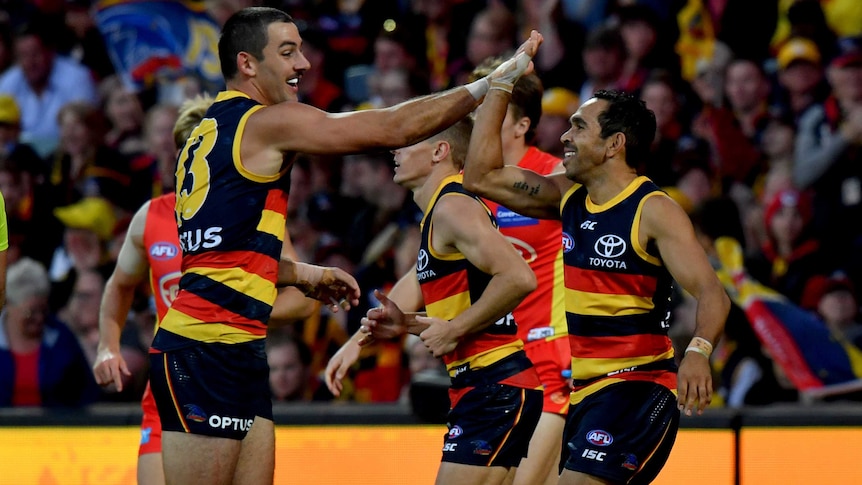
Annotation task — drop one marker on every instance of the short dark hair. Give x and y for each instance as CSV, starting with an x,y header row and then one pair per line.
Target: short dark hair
x,y
246,31
628,115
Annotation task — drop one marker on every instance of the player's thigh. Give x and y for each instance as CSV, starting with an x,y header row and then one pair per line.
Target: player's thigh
x,y
569,477
150,469
256,464
190,458
460,474
542,462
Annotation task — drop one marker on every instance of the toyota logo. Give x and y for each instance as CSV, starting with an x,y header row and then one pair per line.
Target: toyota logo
x,y
422,260
610,246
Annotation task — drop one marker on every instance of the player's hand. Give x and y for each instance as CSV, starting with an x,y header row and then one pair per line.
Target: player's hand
x,y
334,287
519,64
440,336
385,321
109,368
340,364
694,383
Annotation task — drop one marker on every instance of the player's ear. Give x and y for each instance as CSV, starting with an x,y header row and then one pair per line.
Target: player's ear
x,y
441,150
246,64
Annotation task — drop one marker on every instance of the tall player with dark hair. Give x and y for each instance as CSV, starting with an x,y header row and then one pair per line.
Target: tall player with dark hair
x,y
625,242
209,374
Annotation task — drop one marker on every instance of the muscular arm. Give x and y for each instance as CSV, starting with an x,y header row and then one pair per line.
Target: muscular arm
x,y
461,225
665,222
130,271
523,191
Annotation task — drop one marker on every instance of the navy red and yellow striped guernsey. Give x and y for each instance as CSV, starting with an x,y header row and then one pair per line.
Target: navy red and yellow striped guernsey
x,y
231,249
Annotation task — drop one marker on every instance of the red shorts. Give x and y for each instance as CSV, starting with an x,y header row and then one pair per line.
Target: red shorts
x,y
551,358
151,426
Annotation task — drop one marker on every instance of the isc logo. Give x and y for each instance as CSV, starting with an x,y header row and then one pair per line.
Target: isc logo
x,y
593,455
449,447
599,437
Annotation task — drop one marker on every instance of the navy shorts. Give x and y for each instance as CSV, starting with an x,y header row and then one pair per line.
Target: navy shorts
x,y
212,389
622,433
491,423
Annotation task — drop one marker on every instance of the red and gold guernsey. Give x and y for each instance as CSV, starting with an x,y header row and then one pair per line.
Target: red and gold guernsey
x,y
162,244
541,316
617,293
231,227
450,284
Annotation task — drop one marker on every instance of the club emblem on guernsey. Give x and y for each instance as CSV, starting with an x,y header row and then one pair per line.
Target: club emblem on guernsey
x,y
195,413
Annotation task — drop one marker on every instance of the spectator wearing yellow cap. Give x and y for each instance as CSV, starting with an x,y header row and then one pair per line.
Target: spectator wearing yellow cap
x,y
558,104
11,146
800,75
89,226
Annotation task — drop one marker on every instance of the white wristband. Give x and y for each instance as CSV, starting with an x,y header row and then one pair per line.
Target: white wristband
x,y
700,345
478,88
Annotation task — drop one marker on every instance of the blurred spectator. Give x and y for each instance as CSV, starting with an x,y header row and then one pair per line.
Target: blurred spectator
x,y
420,362
85,43
42,82
734,129
289,365
800,76
370,177
316,88
662,95
604,56
806,18
89,225
492,34
82,166
834,299
7,50
558,62
792,253
41,363
124,114
11,146
388,88
153,171
639,27
558,105
828,149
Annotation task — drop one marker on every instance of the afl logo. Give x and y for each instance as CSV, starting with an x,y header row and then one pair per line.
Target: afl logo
x,y
568,243
610,246
422,260
455,432
161,251
599,437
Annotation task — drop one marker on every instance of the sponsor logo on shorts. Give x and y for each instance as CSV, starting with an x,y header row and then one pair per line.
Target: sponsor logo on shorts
x,y
594,455
449,447
195,413
227,422
600,437
481,447
455,432
145,435
630,462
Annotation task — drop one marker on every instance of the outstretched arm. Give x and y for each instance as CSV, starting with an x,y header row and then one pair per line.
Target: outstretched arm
x,y
523,191
130,271
665,222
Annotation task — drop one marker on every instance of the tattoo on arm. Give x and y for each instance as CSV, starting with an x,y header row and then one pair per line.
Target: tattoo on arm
x,y
527,188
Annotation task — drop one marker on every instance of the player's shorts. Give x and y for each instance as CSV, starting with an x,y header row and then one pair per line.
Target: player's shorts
x,y
622,433
492,418
151,426
212,389
551,358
